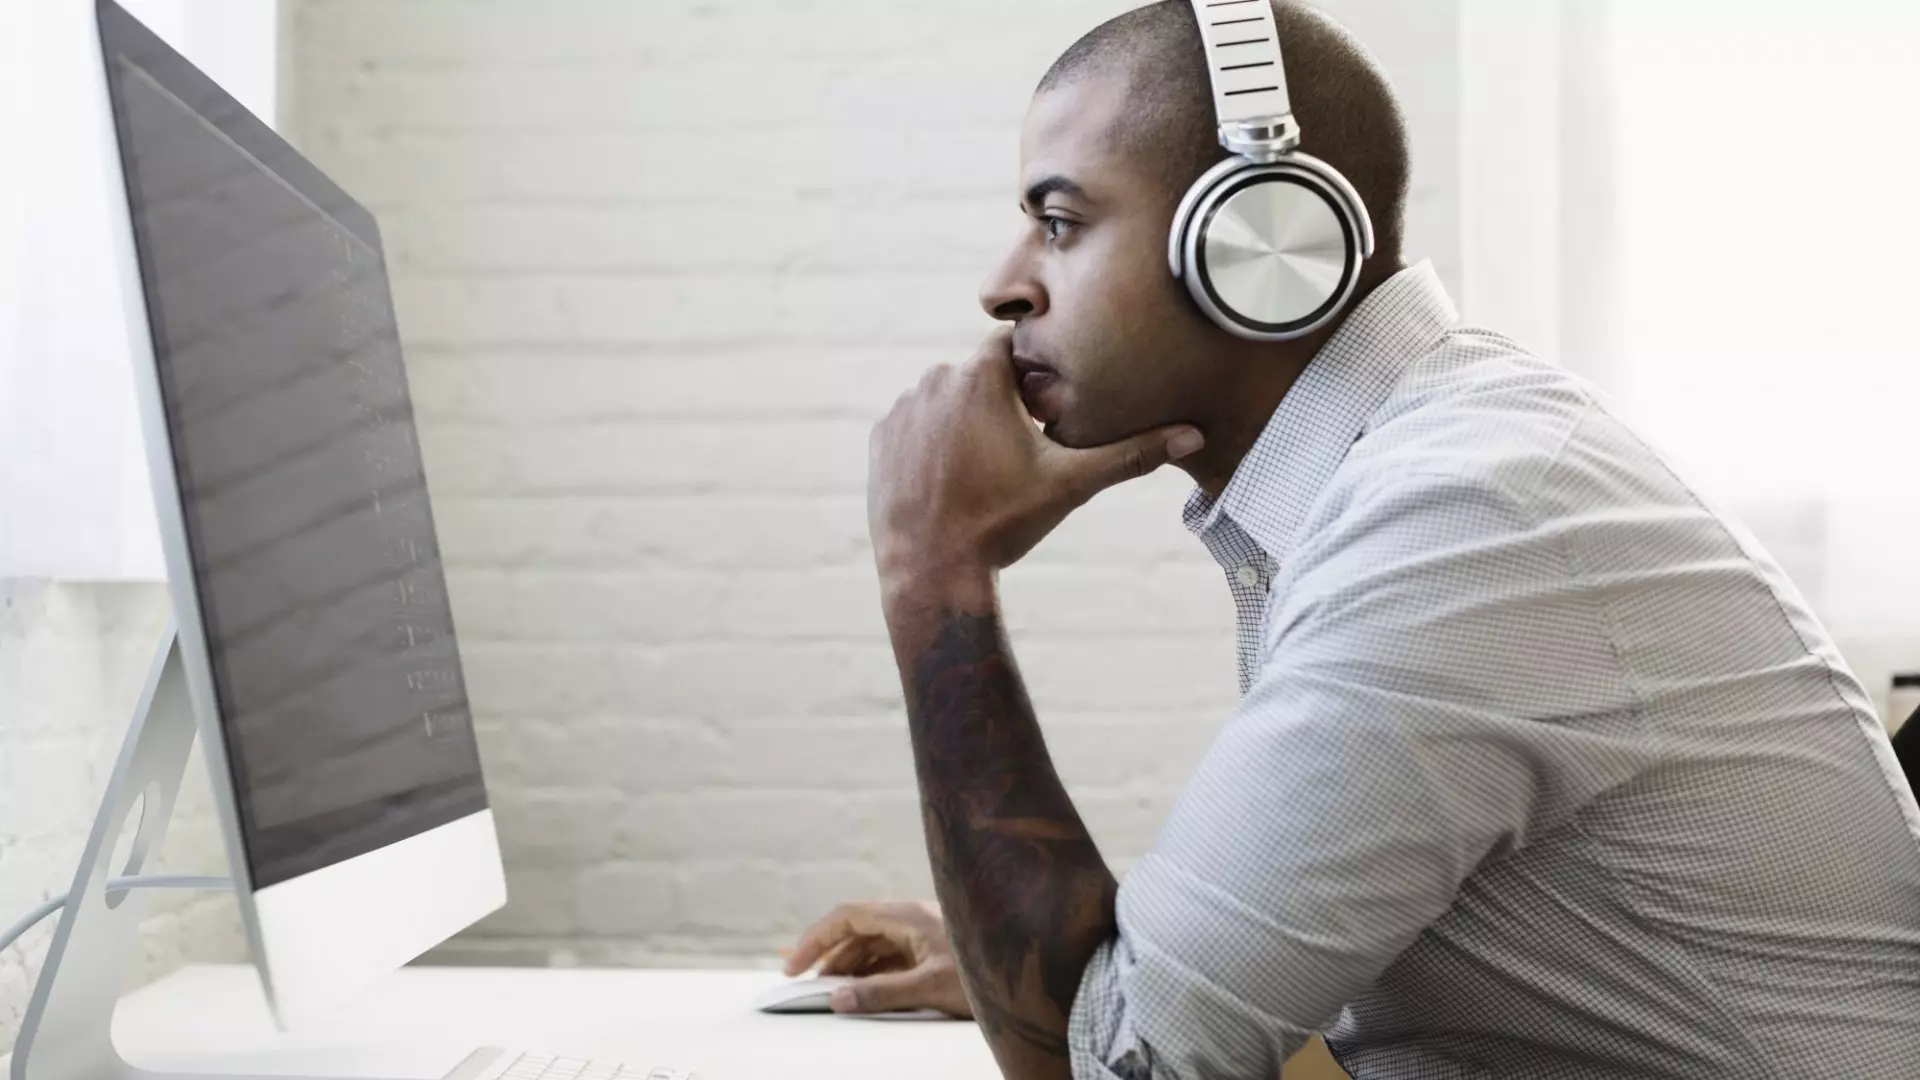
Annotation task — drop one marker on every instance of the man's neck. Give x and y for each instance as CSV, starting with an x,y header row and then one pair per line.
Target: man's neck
x,y
1266,374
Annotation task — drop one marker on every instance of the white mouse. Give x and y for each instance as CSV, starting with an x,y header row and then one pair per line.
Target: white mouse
x,y
801,996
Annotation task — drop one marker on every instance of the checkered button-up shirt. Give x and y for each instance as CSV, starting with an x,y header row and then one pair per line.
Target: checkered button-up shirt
x,y
1541,768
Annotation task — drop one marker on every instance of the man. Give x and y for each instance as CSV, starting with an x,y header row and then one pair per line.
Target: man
x,y
1540,768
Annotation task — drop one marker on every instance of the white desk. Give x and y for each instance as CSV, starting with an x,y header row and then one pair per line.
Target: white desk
x,y
422,1021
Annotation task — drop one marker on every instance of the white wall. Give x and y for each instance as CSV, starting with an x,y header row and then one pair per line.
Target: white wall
x,y
659,265
74,497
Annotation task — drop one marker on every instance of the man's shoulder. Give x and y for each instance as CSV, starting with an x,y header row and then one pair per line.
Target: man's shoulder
x,y
1478,410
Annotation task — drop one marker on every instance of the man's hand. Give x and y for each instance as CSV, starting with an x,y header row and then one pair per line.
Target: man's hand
x,y
961,479
900,951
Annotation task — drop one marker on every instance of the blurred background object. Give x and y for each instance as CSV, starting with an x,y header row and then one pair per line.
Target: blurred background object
x,y
82,594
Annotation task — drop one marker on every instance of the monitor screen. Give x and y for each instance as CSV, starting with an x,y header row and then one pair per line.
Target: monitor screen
x,y
308,527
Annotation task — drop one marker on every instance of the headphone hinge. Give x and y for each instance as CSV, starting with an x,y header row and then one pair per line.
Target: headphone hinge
x,y
1264,140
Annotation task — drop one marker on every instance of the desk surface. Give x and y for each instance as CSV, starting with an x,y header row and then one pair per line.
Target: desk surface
x,y
422,1021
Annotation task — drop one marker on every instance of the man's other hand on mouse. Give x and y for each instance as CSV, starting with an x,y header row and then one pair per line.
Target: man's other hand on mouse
x,y
898,953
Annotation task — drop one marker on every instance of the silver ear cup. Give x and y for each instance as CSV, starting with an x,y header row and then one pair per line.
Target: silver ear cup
x,y
1270,252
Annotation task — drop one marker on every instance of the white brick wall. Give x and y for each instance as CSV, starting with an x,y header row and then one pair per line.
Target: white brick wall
x,y
658,268
72,660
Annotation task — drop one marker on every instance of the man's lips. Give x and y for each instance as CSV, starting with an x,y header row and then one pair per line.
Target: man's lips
x,y
1036,380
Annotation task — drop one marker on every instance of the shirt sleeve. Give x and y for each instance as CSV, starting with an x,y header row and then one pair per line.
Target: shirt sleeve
x,y
1399,734
1093,1028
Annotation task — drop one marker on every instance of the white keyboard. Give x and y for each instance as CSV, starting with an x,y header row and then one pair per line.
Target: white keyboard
x,y
493,1063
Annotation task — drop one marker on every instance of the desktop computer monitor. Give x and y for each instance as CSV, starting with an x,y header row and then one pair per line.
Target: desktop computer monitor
x,y
314,627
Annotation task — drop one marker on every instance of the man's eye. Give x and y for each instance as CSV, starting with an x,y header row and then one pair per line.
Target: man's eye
x,y
1056,227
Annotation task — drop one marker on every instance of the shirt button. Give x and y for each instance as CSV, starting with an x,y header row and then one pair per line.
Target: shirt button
x,y
1249,576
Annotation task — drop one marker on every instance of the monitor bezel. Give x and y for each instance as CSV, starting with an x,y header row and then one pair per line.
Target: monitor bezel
x,y
320,938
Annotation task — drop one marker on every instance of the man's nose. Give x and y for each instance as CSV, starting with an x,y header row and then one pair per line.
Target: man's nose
x,y
1011,293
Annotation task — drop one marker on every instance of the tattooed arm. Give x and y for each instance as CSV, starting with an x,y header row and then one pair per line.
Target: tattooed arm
x,y
961,484
1026,895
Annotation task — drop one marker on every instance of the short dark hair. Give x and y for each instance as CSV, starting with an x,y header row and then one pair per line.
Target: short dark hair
x,y
1349,116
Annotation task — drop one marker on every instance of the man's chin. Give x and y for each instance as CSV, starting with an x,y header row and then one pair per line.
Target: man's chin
x,y
1073,432
1071,426
1060,432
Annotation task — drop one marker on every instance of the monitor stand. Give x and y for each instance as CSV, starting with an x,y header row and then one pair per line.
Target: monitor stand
x,y
68,1029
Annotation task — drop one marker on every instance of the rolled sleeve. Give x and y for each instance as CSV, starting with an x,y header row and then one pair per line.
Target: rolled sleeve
x,y
1098,1047
1103,1043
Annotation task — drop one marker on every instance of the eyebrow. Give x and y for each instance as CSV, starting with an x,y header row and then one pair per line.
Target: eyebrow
x,y
1052,185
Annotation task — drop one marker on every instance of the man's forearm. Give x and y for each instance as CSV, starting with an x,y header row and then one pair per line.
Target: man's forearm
x,y
1026,895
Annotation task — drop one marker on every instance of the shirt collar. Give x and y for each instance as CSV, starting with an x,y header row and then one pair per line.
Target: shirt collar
x,y
1325,411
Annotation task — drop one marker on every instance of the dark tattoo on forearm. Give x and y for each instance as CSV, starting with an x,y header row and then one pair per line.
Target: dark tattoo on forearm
x,y
1026,894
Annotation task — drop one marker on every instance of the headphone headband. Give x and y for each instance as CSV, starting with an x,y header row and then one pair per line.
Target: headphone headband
x,y
1269,242
1249,77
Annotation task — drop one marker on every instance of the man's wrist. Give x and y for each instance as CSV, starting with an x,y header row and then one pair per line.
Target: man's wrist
x,y
911,586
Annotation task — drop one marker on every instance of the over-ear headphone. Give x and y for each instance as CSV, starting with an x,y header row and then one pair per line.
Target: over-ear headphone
x,y
1270,241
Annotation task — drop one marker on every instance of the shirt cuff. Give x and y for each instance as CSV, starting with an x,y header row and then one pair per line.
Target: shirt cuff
x,y
1101,1043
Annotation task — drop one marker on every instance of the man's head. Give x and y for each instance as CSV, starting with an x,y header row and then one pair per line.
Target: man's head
x,y
1118,130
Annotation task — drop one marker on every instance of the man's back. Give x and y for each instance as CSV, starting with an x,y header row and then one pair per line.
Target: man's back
x,y
1543,768
1745,899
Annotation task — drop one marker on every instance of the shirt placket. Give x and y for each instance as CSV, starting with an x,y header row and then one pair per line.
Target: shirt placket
x,y
1250,581
1249,577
